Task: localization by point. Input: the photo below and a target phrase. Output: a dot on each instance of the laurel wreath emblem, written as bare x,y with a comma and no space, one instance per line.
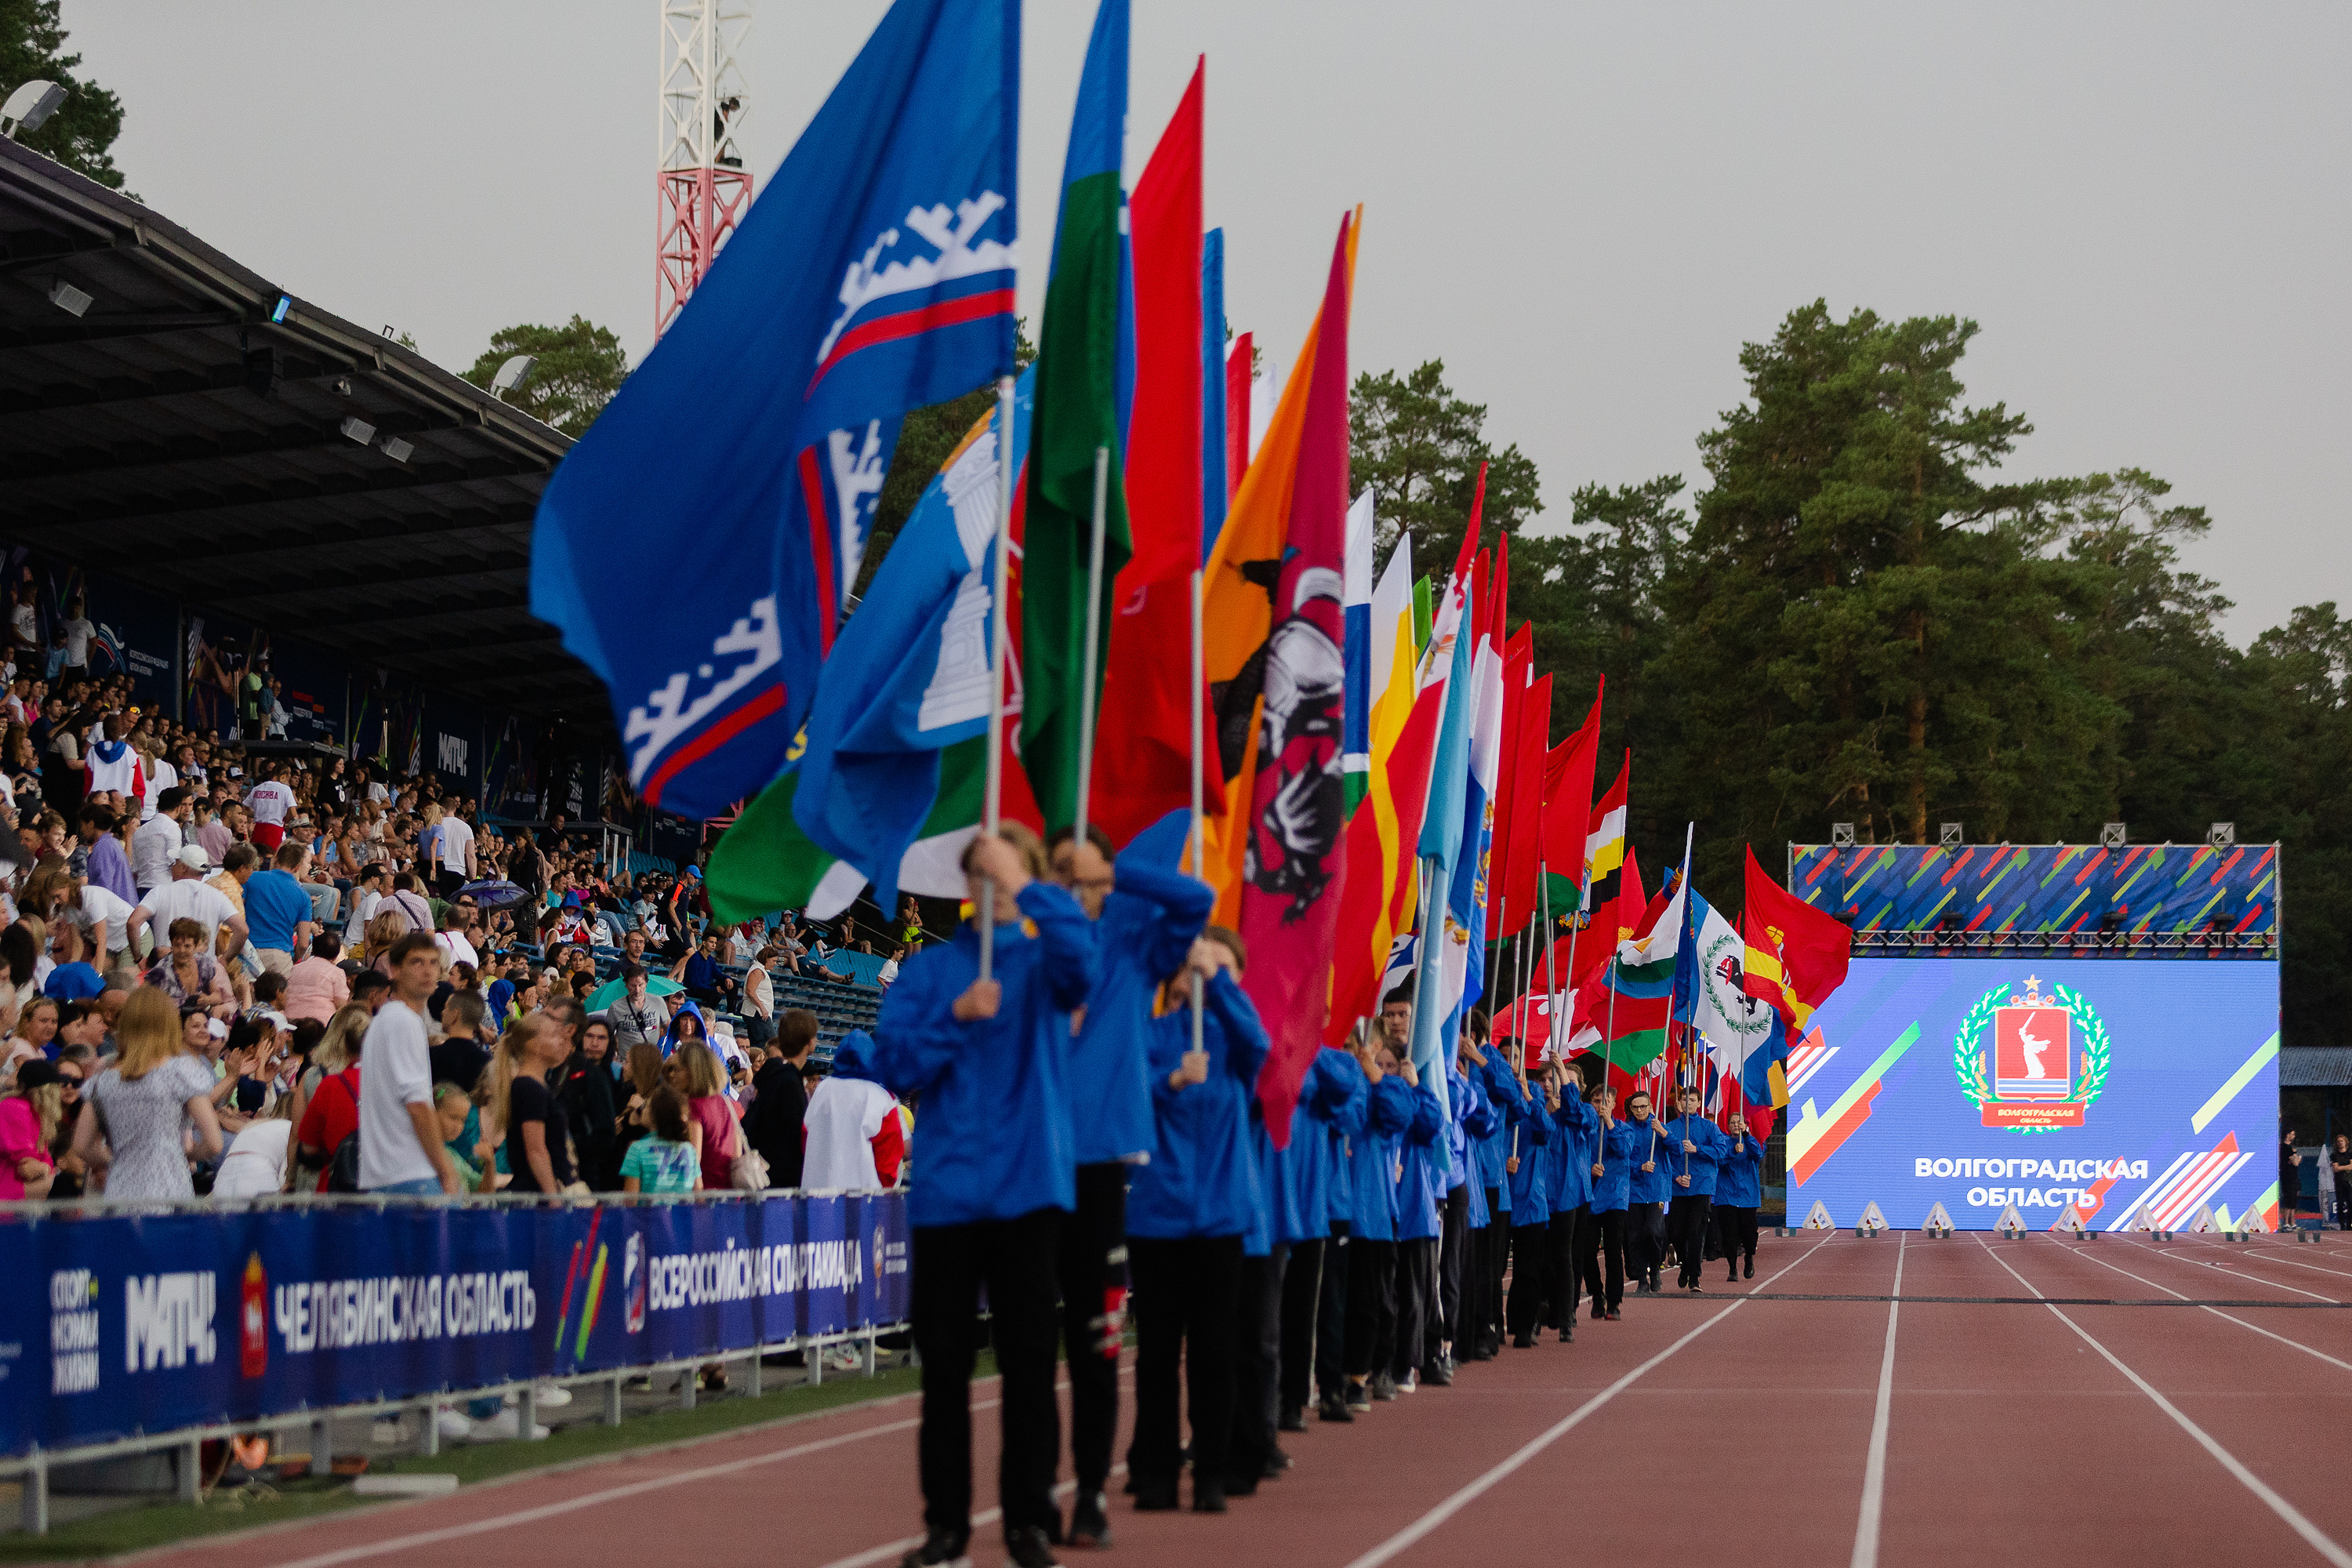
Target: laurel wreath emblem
1968,1046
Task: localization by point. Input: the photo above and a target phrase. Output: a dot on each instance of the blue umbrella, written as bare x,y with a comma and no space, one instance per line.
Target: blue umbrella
493,893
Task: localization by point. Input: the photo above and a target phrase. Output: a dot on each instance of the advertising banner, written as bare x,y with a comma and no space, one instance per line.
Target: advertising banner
120,1324
2110,1093
2082,889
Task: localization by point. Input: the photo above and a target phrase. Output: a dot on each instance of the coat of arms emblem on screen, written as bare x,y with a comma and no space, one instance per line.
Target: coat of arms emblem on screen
2029,1061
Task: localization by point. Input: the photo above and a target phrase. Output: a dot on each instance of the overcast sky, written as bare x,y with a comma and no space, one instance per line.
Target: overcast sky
1584,209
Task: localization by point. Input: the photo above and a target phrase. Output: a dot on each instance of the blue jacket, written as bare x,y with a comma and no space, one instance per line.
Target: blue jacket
1336,1133
1298,1181
1531,1198
1476,1118
1372,1161
1580,1127
1495,1146
996,1141
1417,1189
1651,1186
1202,1177
1148,924
1701,1161
1616,1159
1739,1174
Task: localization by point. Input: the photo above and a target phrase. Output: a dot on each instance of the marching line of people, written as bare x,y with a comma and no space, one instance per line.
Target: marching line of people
1076,1136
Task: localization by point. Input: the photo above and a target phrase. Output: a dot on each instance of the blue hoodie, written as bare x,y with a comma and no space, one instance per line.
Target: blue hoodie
1530,1200
1621,1150
995,1114
1495,1146
1580,1128
1701,1163
1653,1186
1740,1176
1337,1133
1148,924
1296,1181
1372,1161
1202,1177
1417,1194
1475,1118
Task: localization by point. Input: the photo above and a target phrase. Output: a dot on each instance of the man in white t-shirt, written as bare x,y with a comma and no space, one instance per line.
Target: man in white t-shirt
78,631
400,1150
158,838
376,880
455,939
456,856
187,896
103,919
271,803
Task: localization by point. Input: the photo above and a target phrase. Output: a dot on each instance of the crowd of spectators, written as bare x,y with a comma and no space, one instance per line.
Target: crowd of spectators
233,969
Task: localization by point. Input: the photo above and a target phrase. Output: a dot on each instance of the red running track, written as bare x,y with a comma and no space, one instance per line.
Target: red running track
1907,1419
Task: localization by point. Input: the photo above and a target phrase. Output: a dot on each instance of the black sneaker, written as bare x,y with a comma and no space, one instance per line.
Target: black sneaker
1435,1376
1028,1548
1277,1462
1568,1331
1359,1399
1335,1408
1293,1418
1383,1386
1089,1521
940,1549
1235,1485
1751,1268
1208,1497
1155,1494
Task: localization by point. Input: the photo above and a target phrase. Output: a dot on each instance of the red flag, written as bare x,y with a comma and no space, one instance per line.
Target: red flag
1143,730
1614,921
1356,965
1525,822
1290,902
1795,954
1518,653
1237,414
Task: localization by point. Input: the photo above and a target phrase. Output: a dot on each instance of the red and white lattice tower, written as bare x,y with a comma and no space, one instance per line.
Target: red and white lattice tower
704,187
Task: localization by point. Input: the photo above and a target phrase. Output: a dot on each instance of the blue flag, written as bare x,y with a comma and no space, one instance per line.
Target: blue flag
1213,388
910,676
696,546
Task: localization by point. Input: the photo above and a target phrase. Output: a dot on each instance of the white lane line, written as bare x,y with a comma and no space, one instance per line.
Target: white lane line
2252,1255
2249,1279
2293,1516
1536,1445
2085,1253
890,1549
1873,1473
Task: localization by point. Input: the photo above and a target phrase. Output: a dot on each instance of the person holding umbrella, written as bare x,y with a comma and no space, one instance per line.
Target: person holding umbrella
638,1014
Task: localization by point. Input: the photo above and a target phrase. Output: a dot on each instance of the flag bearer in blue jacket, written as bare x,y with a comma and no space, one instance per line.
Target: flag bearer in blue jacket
1525,1167
1694,1146
1372,1161
1738,1193
1577,1131
1320,1340
1618,1148
1491,1069
1190,1208
990,1060
1297,1182
1420,1176
1144,917
1459,1262
1646,1215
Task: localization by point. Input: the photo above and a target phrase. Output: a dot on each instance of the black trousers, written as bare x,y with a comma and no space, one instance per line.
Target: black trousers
1371,1306
1093,1274
1559,1268
1645,1241
1604,1234
1686,1223
1014,1260
1184,1295
1529,1243
1416,1306
1331,1313
1302,1293
1257,1360
1734,1233
1445,1327
2343,1205
1498,1253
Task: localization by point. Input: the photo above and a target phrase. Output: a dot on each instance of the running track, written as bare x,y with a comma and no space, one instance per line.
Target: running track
1896,1425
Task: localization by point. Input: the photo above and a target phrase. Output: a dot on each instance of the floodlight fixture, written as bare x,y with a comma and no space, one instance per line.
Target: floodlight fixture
1953,835
1841,835
2221,834
358,429
512,374
2113,837
68,298
397,450
29,107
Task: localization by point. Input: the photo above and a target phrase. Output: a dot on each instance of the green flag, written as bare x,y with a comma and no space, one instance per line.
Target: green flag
1079,355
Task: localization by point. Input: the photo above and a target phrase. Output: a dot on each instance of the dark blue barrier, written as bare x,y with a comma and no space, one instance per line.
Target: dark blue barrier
115,1324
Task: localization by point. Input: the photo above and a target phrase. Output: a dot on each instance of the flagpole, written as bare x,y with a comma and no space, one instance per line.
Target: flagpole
1094,630
1422,953
1199,792
999,637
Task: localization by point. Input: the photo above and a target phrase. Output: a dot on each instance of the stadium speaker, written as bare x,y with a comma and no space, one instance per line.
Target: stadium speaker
2221,834
1842,835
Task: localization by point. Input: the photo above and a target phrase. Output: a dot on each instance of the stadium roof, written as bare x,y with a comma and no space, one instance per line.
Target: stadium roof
183,432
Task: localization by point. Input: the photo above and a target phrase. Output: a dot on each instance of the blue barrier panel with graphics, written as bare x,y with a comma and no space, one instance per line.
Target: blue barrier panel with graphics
120,1323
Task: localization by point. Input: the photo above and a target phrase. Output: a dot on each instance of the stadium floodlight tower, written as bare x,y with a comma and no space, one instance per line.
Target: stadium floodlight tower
704,187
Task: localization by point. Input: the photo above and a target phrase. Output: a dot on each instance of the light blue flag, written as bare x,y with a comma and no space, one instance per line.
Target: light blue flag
910,674
1213,388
